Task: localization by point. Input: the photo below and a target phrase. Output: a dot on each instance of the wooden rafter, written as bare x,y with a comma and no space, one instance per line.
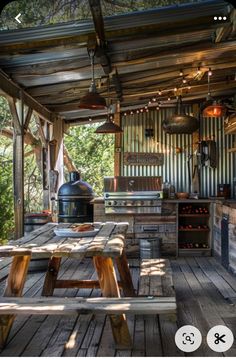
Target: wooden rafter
101,52
14,91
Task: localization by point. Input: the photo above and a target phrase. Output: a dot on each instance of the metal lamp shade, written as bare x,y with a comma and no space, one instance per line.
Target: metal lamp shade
180,122
214,110
109,127
92,100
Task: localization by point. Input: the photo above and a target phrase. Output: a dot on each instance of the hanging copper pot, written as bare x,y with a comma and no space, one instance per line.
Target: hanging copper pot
180,122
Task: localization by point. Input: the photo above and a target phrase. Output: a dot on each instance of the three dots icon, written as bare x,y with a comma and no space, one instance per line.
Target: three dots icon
220,18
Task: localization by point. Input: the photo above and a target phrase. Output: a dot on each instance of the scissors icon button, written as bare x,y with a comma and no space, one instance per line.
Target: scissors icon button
219,338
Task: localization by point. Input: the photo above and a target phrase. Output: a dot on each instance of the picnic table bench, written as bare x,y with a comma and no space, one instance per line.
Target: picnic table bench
106,249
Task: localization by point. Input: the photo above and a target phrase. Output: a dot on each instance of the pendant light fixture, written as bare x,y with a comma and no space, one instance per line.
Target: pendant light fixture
180,122
92,100
109,126
212,108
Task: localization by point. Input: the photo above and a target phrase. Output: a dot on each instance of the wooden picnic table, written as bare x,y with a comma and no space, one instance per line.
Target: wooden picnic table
106,248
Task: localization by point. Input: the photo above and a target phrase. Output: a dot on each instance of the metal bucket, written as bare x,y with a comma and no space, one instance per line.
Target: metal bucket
33,221
150,248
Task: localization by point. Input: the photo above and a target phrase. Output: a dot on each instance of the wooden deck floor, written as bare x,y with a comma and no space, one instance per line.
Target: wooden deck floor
206,296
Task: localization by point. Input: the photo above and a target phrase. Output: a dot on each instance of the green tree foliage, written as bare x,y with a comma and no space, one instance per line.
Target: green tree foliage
6,190
39,12
93,154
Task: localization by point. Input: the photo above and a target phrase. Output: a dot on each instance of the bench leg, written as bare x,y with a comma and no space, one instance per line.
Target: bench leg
51,276
14,288
125,275
109,287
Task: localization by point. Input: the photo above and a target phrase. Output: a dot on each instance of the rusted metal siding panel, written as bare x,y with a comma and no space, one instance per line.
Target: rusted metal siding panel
174,169
213,128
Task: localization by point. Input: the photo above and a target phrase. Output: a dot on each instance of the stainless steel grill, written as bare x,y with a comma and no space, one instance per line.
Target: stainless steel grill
132,195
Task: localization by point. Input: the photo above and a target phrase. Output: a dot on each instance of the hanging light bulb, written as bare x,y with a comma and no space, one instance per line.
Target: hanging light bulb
212,108
92,100
181,72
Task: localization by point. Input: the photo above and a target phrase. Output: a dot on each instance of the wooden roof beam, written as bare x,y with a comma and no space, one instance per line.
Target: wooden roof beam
15,91
117,83
101,51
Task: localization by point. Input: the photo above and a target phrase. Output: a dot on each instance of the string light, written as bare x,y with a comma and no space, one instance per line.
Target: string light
154,100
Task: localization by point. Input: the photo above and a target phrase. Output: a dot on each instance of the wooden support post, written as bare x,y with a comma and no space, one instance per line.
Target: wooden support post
18,164
14,288
118,139
51,276
109,287
45,169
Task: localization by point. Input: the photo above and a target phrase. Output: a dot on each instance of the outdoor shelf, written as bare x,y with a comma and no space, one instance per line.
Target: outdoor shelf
195,215
195,230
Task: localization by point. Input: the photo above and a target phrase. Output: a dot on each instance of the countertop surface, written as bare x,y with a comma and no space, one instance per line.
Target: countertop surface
189,200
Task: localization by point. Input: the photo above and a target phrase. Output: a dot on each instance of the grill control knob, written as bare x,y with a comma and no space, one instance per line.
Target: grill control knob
109,203
124,203
114,203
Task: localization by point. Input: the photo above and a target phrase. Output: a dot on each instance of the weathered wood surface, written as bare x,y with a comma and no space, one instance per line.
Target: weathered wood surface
156,278
86,334
74,306
109,241
14,288
109,287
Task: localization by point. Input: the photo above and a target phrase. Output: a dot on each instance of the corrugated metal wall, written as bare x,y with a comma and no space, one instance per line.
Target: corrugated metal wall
226,169
175,168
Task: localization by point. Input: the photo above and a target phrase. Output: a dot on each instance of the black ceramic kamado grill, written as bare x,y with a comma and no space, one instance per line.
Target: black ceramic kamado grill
74,201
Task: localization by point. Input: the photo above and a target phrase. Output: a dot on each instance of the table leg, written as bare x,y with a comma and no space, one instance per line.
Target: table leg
14,288
51,276
125,275
109,287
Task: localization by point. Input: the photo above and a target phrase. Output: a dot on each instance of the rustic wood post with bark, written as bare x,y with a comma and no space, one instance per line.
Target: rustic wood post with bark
20,119
118,138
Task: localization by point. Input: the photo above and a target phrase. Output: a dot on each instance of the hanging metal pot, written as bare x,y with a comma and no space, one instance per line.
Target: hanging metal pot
180,122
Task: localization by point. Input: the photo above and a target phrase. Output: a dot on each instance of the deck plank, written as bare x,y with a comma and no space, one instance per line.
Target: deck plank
199,300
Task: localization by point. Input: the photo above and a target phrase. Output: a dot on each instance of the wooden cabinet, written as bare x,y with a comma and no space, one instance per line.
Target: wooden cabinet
194,229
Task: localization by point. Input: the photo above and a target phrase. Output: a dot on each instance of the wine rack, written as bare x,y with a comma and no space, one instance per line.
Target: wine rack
194,230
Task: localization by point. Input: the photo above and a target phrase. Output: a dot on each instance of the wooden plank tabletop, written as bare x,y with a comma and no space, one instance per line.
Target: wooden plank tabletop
109,242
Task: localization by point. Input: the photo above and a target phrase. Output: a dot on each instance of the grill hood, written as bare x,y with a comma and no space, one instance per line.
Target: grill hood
75,188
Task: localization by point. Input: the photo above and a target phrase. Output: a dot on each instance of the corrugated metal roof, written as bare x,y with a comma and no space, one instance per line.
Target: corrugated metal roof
146,49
